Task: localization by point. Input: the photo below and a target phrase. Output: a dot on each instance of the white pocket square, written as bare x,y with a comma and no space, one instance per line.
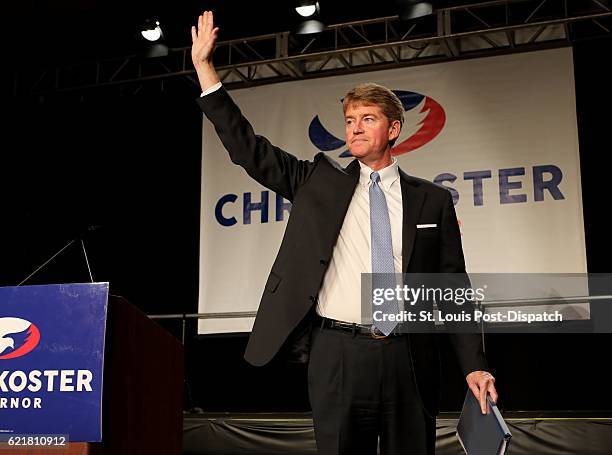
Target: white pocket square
425,226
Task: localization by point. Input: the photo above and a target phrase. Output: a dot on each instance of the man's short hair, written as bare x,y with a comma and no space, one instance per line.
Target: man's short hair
371,93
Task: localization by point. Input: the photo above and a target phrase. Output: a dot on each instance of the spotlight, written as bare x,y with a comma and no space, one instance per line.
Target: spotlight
151,31
154,46
311,11
307,9
412,9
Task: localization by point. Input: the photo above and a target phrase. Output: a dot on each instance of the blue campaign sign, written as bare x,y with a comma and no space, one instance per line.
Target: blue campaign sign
51,360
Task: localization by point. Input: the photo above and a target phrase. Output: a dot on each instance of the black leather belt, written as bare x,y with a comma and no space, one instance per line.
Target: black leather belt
356,329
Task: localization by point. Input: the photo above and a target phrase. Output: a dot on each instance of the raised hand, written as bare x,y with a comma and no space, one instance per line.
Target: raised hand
203,41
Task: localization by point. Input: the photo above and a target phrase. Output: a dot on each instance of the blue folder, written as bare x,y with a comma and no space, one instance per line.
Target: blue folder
482,434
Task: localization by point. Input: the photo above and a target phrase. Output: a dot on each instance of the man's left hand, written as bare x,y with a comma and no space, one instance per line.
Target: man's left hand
481,383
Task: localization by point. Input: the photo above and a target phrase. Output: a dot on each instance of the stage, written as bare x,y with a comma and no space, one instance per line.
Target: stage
541,433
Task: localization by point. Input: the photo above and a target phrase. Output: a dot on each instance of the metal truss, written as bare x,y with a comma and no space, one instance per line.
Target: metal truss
486,28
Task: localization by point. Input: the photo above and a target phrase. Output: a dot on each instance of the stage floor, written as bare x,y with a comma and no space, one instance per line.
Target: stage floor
541,433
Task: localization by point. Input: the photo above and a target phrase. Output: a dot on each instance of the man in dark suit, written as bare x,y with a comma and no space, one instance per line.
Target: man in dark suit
364,385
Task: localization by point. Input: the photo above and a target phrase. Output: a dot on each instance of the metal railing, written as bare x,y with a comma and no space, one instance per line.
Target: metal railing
484,306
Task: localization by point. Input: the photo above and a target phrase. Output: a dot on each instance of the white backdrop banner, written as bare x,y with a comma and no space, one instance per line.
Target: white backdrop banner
499,132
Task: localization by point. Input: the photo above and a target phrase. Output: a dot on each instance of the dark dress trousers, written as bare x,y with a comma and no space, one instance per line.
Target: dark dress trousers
320,192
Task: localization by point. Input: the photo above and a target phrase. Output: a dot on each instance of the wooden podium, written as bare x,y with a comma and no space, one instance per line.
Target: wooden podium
142,393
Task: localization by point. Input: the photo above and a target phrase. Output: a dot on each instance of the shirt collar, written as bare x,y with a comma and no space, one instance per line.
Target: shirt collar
388,175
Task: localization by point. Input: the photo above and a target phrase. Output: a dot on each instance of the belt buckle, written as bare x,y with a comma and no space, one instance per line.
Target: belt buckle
375,335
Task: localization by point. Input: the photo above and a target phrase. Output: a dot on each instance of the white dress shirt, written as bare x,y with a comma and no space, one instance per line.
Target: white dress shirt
340,294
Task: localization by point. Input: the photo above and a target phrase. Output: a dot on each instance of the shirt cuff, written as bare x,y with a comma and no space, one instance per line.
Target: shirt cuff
211,89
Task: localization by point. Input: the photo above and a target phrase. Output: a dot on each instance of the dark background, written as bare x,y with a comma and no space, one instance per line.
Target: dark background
130,165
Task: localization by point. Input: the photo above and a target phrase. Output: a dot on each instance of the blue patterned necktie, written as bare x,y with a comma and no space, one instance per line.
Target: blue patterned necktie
383,269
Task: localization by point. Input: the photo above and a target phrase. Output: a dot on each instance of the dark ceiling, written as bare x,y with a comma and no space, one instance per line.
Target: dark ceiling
59,31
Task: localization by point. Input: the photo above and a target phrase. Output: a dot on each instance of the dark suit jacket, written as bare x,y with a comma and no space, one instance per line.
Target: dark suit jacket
320,191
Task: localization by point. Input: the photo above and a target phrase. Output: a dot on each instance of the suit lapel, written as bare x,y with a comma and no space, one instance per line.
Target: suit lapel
412,203
340,197
347,189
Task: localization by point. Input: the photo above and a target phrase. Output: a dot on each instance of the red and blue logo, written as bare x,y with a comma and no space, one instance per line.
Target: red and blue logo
430,119
17,337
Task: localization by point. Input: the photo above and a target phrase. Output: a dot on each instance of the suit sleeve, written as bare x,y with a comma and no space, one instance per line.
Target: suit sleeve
272,167
464,336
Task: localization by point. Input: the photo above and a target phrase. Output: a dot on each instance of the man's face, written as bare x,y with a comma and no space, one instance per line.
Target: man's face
368,130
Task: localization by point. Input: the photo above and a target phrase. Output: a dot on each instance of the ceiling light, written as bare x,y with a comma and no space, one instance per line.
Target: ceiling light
412,9
306,11
151,31
310,18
